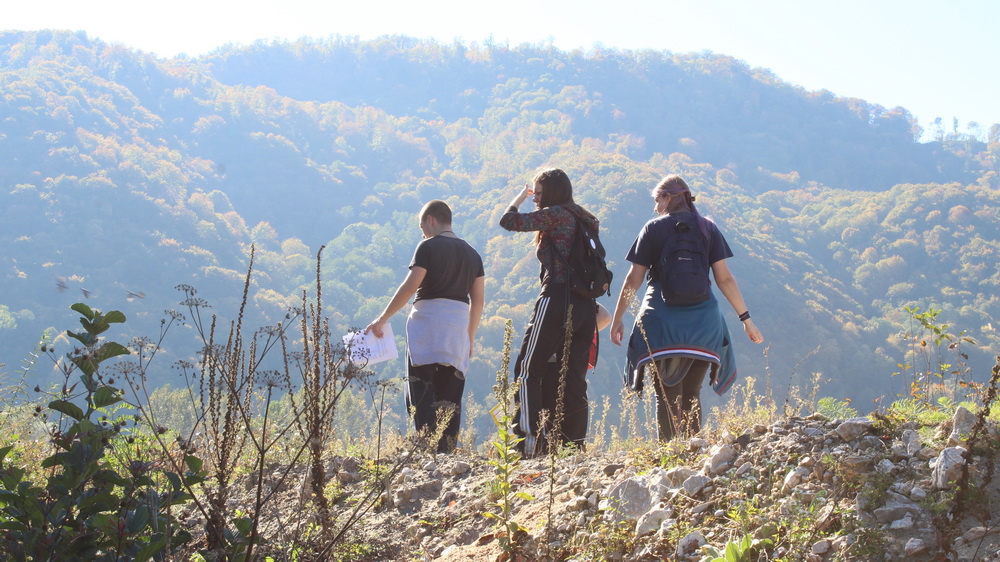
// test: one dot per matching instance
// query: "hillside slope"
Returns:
(123, 175)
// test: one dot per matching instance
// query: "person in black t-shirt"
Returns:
(448, 284)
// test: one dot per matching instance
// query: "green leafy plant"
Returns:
(742, 550)
(836, 409)
(929, 366)
(88, 505)
(507, 458)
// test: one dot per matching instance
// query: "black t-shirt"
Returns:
(646, 248)
(452, 265)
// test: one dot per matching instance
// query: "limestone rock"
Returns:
(628, 499)
(651, 521)
(948, 467)
(720, 459)
(961, 427)
(914, 546)
(795, 477)
(695, 484)
(690, 544)
(459, 468)
(853, 428)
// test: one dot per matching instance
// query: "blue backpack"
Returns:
(682, 268)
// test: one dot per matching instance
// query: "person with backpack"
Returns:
(680, 331)
(559, 225)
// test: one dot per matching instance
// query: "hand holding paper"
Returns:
(369, 348)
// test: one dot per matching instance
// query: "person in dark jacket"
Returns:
(537, 402)
(685, 342)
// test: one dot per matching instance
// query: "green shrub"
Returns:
(89, 507)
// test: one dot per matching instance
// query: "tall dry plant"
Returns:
(979, 452)
(554, 438)
(327, 372)
(233, 396)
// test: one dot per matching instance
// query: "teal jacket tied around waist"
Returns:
(697, 331)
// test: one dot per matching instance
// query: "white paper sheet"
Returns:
(368, 348)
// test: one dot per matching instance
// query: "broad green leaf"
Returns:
(86, 365)
(137, 521)
(68, 408)
(151, 548)
(114, 317)
(105, 396)
(524, 496)
(111, 349)
(175, 480)
(193, 463)
(84, 310)
(84, 338)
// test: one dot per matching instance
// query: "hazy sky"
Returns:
(935, 58)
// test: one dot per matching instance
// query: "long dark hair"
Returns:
(558, 190)
(679, 198)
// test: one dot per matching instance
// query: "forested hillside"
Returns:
(123, 175)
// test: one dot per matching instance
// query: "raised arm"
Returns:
(727, 284)
(403, 294)
(477, 296)
(633, 281)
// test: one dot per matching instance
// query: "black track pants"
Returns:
(544, 338)
(431, 388)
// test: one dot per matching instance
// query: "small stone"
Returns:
(679, 474)
(695, 483)
(720, 458)
(459, 468)
(690, 544)
(914, 546)
(611, 469)
(795, 477)
(629, 499)
(948, 467)
(826, 517)
(974, 534)
(430, 466)
(701, 508)
(853, 428)
(917, 494)
(900, 524)
(821, 547)
(962, 424)
(650, 521)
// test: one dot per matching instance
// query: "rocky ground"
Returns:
(812, 488)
